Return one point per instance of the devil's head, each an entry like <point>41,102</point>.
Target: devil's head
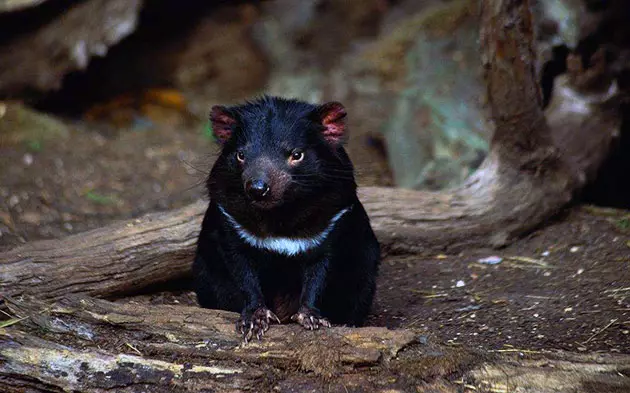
<point>275,151</point>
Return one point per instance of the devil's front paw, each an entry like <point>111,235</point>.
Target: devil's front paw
<point>309,318</point>
<point>255,324</point>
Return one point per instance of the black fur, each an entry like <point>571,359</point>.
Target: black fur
<point>335,280</point>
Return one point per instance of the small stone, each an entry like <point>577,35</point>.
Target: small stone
<point>580,271</point>
<point>32,218</point>
<point>547,274</point>
<point>14,200</point>
<point>27,159</point>
<point>545,254</point>
<point>568,309</point>
<point>460,284</point>
<point>492,260</point>
<point>574,249</point>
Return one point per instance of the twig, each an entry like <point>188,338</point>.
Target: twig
<point>134,349</point>
<point>465,385</point>
<point>527,263</point>
<point>612,322</point>
<point>12,321</point>
<point>7,314</point>
<point>434,296</point>
<point>617,290</point>
<point>514,350</point>
<point>528,260</point>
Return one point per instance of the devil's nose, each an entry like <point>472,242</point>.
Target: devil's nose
<point>257,189</point>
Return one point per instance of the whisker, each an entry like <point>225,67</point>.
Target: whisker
<point>191,166</point>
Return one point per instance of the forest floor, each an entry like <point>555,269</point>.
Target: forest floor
<point>565,286</point>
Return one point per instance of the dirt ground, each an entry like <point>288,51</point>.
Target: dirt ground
<point>565,286</point>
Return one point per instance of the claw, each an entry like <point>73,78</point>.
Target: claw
<point>275,317</point>
<point>310,318</point>
<point>257,323</point>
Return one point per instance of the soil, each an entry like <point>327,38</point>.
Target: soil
<point>565,286</point>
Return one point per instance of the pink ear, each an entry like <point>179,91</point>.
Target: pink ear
<point>333,115</point>
<point>222,122</point>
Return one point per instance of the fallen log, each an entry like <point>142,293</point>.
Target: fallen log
<point>113,261</point>
<point>90,345</point>
<point>81,344</point>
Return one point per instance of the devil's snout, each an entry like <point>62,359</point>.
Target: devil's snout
<point>257,189</point>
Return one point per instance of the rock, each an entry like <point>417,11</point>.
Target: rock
<point>492,260</point>
<point>18,5</point>
<point>301,52</point>
<point>38,60</point>
<point>206,67</point>
<point>436,129</point>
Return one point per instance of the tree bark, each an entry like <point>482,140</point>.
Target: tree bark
<point>120,259</point>
<point>89,345</point>
<point>128,347</point>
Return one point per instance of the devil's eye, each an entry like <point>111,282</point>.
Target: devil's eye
<point>240,156</point>
<point>296,156</point>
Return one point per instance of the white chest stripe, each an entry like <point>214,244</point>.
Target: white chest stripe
<point>283,245</point>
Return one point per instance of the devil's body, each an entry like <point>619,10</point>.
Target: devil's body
<point>284,231</point>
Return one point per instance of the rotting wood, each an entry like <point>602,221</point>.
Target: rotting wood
<point>91,345</point>
<point>107,262</point>
<point>560,372</point>
<point>84,344</point>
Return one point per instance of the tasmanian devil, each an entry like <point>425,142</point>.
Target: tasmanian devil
<point>285,236</point>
